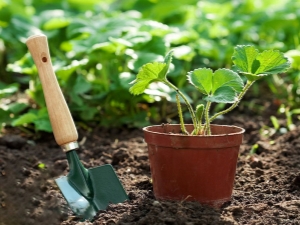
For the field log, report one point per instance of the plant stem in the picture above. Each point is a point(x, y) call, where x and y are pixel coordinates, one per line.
point(241, 95)
point(199, 115)
point(190, 108)
point(180, 116)
point(208, 132)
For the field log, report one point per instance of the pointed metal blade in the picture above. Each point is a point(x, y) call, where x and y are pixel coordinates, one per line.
point(78, 203)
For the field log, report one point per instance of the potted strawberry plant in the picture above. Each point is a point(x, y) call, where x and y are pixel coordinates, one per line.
point(197, 161)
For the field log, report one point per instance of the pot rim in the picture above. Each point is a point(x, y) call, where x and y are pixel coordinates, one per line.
point(242, 130)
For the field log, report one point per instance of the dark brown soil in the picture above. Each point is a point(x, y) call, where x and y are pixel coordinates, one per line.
point(267, 184)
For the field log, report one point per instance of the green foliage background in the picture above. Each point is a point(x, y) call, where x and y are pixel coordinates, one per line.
point(97, 48)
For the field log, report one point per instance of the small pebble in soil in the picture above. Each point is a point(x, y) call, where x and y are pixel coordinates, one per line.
point(156, 203)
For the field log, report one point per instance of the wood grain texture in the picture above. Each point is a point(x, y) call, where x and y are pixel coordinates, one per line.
point(60, 117)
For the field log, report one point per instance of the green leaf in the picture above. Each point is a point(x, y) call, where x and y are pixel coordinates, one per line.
point(199, 112)
point(149, 73)
point(167, 60)
point(17, 107)
point(255, 65)
point(56, 23)
point(184, 52)
point(221, 86)
point(8, 90)
point(39, 118)
point(43, 124)
point(137, 37)
point(89, 113)
point(227, 78)
point(4, 117)
point(272, 62)
point(222, 95)
point(104, 46)
point(66, 71)
point(244, 57)
point(120, 43)
point(201, 79)
point(82, 85)
point(25, 119)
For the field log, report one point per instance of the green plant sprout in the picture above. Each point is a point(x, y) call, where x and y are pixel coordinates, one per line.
point(220, 86)
point(41, 166)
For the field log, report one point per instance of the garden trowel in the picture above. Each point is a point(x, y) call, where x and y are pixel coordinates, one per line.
point(86, 190)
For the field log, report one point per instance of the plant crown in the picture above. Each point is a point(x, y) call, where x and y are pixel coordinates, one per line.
point(220, 86)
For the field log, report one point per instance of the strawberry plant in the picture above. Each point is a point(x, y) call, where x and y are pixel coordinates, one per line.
point(220, 86)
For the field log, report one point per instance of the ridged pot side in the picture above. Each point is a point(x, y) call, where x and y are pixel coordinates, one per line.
point(194, 168)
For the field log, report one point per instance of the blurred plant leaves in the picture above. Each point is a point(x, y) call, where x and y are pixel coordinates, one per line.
point(7, 90)
point(104, 42)
point(39, 118)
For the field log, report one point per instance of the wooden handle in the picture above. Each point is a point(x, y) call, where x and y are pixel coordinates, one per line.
point(60, 117)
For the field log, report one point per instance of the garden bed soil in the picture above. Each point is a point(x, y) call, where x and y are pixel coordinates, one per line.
point(266, 191)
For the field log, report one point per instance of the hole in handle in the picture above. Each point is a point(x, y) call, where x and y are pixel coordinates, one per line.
point(44, 57)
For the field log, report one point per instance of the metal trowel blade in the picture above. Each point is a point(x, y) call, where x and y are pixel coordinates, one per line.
point(107, 187)
point(78, 203)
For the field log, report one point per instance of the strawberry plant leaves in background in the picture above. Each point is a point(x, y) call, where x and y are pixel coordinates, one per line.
point(39, 118)
point(65, 72)
point(7, 90)
point(184, 52)
point(17, 107)
point(56, 23)
point(115, 37)
point(5, 117)
point(221, 86)
point(27, 118)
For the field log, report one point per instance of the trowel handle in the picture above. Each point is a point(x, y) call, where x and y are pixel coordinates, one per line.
point(60, 117)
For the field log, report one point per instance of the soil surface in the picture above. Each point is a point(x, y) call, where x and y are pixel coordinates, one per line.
point(266, 191)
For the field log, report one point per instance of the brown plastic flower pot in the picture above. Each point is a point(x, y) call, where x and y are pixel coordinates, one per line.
point(193, 168)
